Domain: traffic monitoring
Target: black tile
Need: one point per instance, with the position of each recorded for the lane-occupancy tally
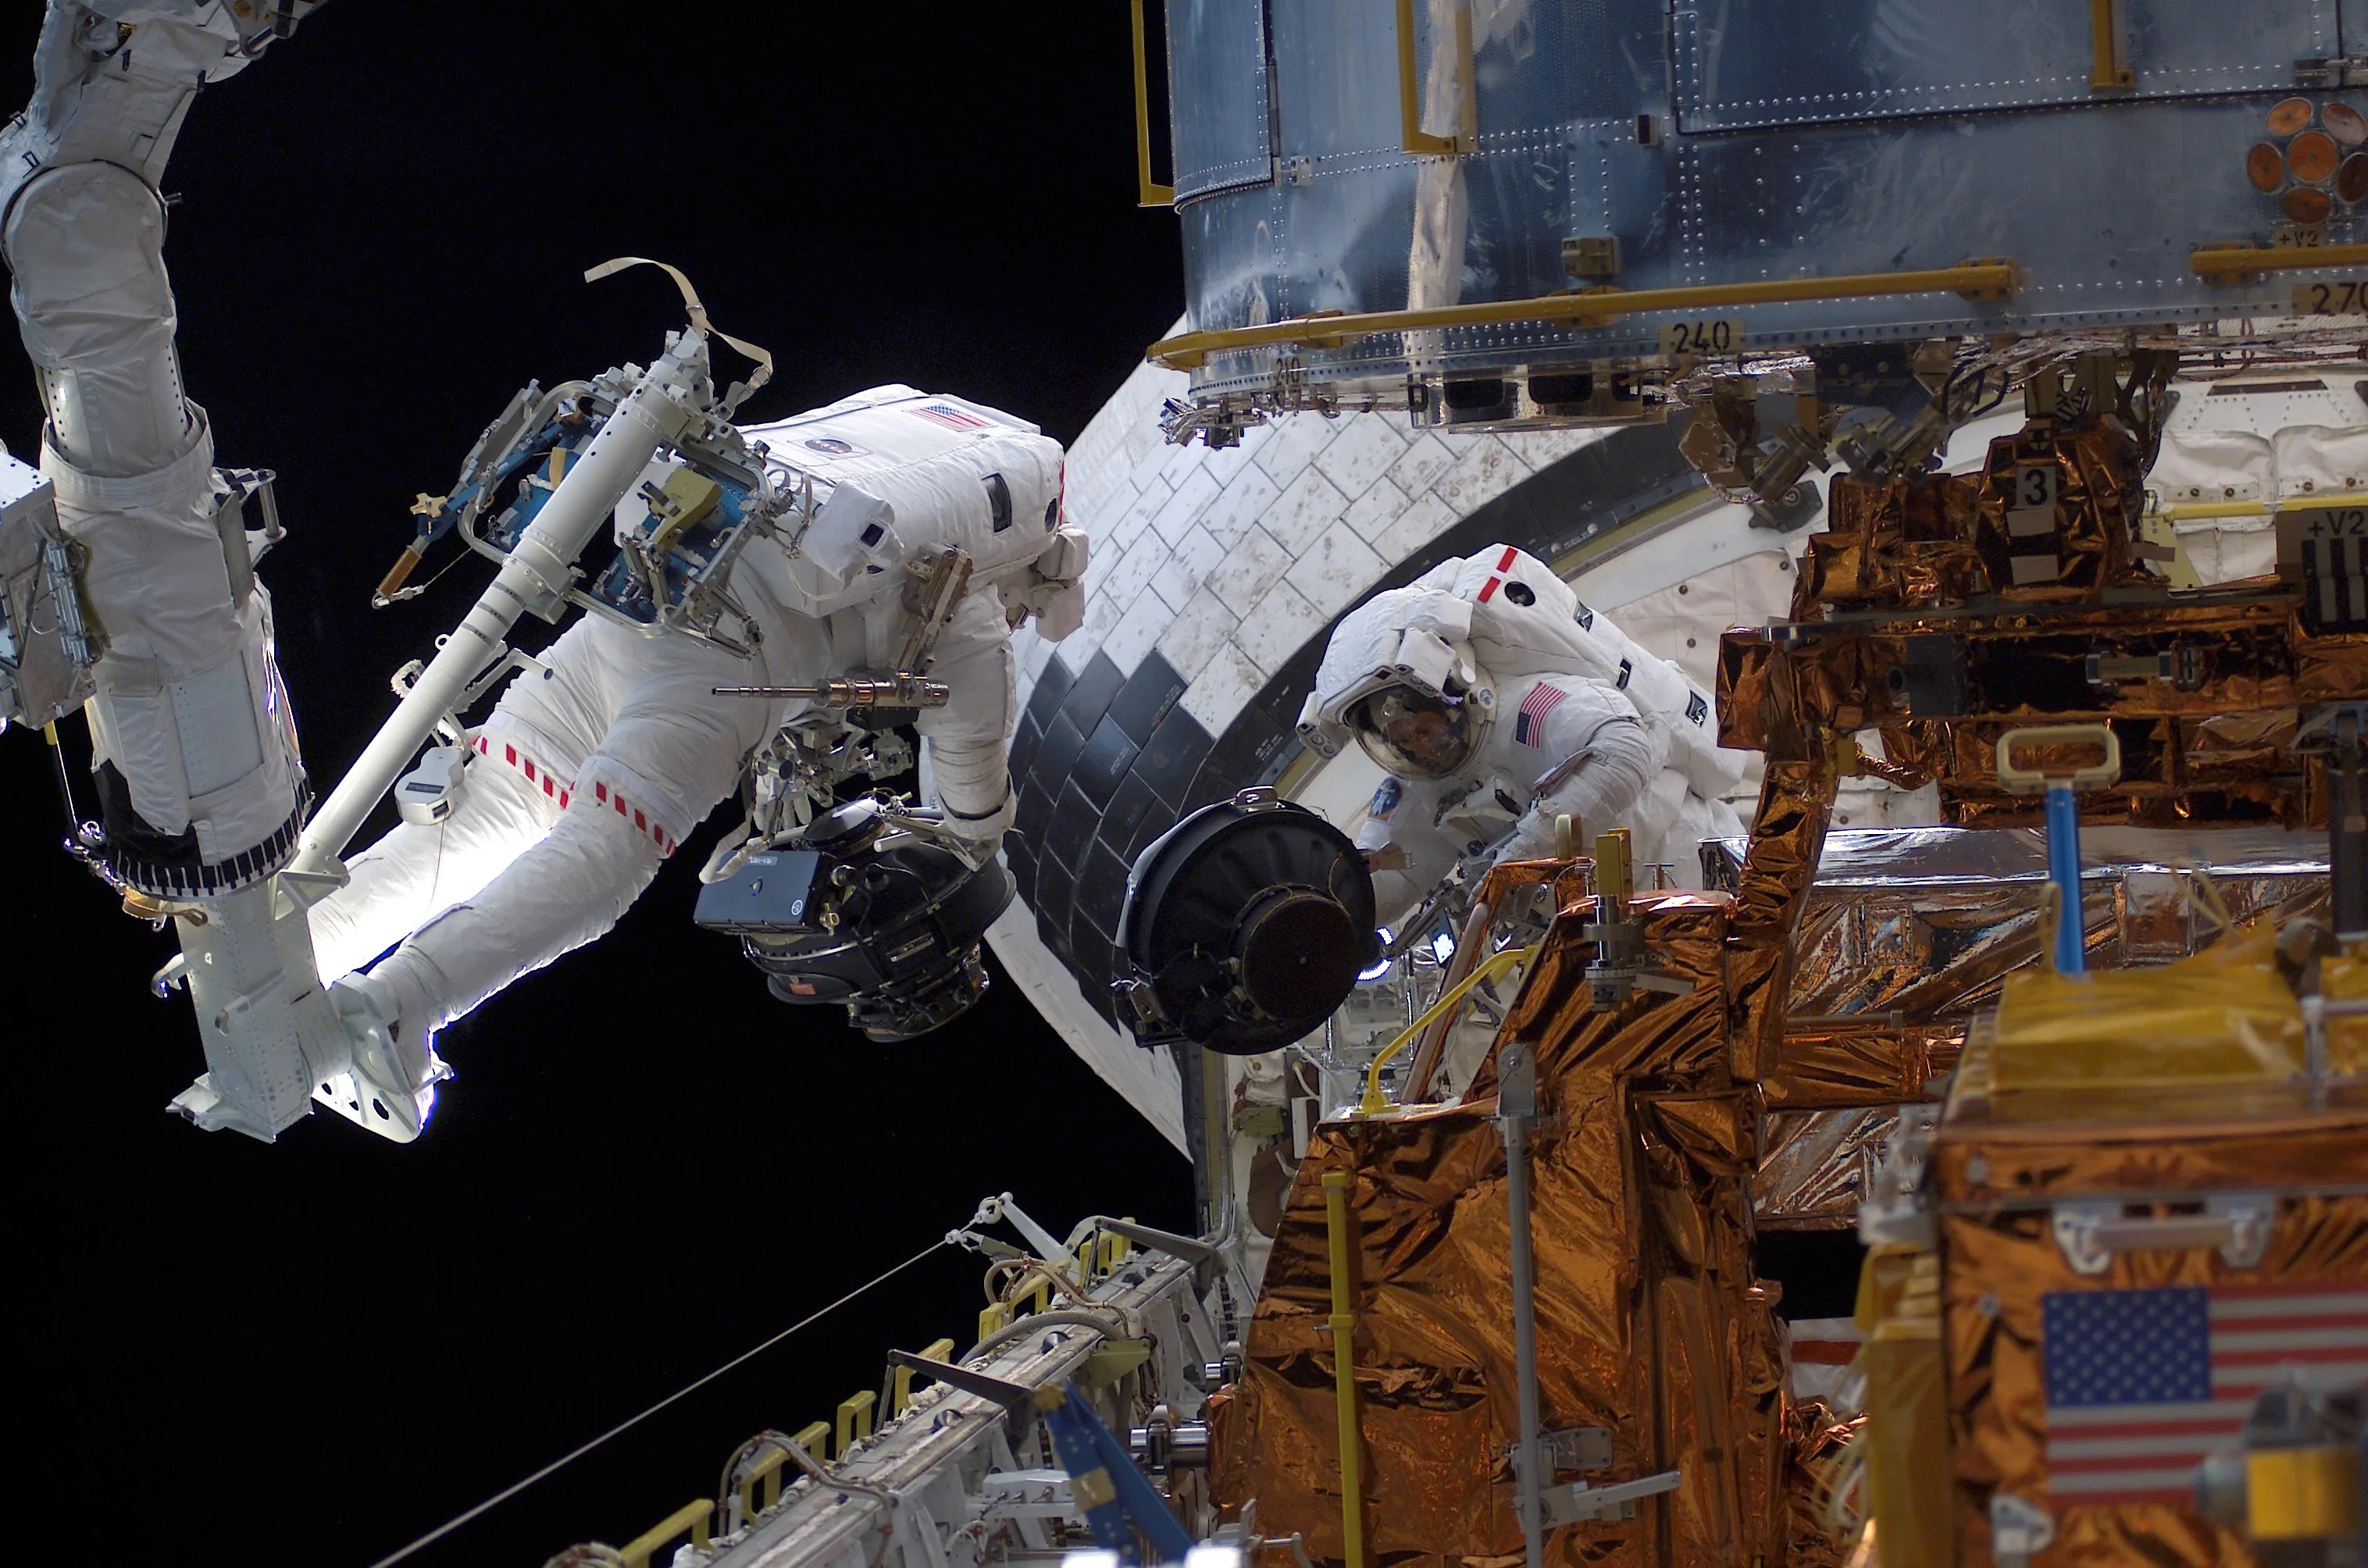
(1214, 782)
(1155, 821)
(1051, 688)
(1035, 811)
(1128, 805)
(1090, 698)
(1174, 754)
(1109, 753)
(1071, 832)
(1094, 962)
(1023, 868)
(1056, 754)
(1101, 890)
(1055, 899)
(1148, 694)
(1054, 938)
(1025, 739)
(1244, 751)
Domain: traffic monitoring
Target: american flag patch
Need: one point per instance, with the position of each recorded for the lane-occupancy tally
(1530, 723)
(2143, 1384)
(953, 419)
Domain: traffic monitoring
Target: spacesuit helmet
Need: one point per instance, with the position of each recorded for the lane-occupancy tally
(1415, 734)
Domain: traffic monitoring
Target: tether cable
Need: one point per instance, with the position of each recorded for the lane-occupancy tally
(505, 1493)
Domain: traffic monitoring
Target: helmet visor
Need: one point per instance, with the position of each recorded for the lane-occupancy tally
(1412, 734)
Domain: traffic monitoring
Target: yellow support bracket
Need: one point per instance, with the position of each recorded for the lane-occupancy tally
(1147, 193)
(1116, 1249)
(2236, 263)
(936, 1350)
(697, 1517)
(814, 1438)
(1114, 1359)
(854, 1421)
(767, 1471)
(1979, 280)
(1344, 1367)
(1375, 1102)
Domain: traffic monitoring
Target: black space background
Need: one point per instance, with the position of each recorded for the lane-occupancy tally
(312, 1352)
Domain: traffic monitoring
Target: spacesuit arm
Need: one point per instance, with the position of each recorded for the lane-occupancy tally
(965, 744)
(1603, 755)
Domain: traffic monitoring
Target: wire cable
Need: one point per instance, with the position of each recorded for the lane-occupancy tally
(504, 1495)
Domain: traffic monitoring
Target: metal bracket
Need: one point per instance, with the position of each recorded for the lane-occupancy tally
(1570, 1447)
(1578, 1501)
(1010, 1395)
(2091, 1232)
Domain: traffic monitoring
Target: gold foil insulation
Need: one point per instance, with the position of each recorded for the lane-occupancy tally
(2003, 1158)
(1649, 1322)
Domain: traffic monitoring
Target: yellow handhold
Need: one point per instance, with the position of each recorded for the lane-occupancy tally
(855, 1420)
(814, 1438)
(1615, 872)
(936, 1350)
(697, 1518)
(992, 1318)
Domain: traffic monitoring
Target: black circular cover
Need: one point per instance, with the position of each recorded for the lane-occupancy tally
(1250, 921)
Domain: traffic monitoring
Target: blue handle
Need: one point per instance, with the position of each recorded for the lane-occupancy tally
(2064, 871)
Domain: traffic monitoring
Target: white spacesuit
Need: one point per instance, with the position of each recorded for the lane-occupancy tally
(1496, 702)
(591, 769)
(595, 764)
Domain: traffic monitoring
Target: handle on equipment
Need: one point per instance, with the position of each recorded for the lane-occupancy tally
(2063, 818)
(400, 573)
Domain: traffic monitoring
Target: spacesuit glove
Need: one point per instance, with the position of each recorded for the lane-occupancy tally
(394, 1060)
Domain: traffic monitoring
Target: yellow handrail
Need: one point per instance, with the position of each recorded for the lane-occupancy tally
(697, 1518)
(1488, 968)
(1412, 138)
(1344, 1369)
(1148, 194)
(2225, 264)
(1595, 307)
(2182, 510)
(2108, 67)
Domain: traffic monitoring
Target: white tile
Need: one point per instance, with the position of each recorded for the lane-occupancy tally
(1278, 626)
(1223, 689)
(1033, 664)
(1361, 452)
(1485, 470)
(1141, 446)
(1078, 648)
(1253, 564)
(1199, 629)
(1138, 628)
(1243, 500)
(1336, 570)
(1171, 586)
(1297, 438)
(1184, 461)
(1417, 525)
(1197, 554)
(1228, 461)
(1304, 509)
(1376, 510)
(1421, 465)
(1190, 499)
(1128, 574)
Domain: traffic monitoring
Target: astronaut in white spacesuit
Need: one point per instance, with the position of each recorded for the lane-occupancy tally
(1496, 702)
(599, 759)
(593, 768)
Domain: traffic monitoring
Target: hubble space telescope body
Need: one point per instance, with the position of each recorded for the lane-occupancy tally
(1955, 410)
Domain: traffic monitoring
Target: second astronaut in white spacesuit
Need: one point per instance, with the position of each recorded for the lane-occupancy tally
(592, 768)
(1496, 701)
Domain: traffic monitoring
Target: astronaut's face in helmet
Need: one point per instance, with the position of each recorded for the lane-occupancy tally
(1412, 734)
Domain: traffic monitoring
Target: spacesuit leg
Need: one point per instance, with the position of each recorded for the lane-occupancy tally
(417, 870)
(965, 744)
(673, 752)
